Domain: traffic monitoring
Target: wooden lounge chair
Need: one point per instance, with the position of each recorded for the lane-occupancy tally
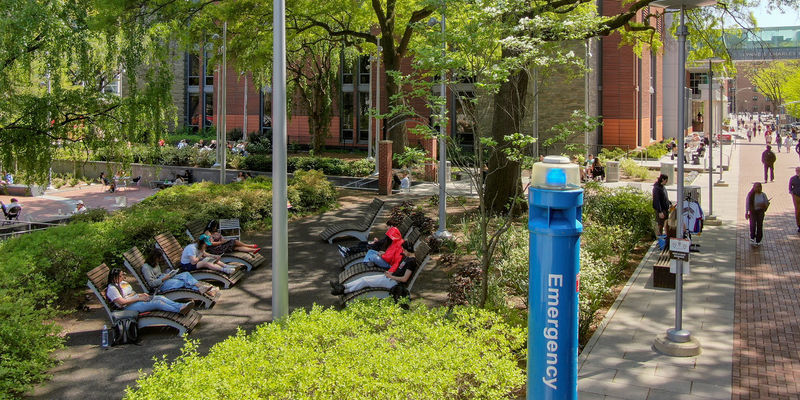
(172, 250)
(134, 261)
(421, 253)
(98, 280)
(423, 259)
(359, 230)
(196, 228)
(412, 235)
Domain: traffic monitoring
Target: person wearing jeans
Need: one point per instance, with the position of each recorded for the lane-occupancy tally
(768, 158)
(794, 190)
(389, 279)
(122, 295)
(757, 205)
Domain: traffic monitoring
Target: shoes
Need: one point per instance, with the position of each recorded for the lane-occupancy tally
(186, 308)
(203, 289)
(752, 242)
(338, 288)
(758, 244)
(798, 228)
(342, 250)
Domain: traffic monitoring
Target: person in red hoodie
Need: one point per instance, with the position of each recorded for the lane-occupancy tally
(390, 258)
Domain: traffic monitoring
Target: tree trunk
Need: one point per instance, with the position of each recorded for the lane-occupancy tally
(502, 181)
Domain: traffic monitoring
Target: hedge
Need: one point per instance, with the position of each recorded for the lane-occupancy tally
(42, 269)
(371, 350)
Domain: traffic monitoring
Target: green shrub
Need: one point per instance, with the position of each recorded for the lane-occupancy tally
(625, 206)
(257, 162)
(410, 157)
(371, 350)
(315, 191)
(178, 157)
(93, 215)
(634, 170)
(27, 337)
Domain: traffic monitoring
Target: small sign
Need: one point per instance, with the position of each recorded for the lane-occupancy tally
(679, 245)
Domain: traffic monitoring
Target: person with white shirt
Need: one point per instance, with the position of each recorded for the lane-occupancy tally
(195, 257)
(80, 208)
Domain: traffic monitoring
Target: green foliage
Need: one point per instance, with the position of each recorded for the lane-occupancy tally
(655, 151)
(27, 337)
(625, 207)
(411, 157)
(257, 162)
(371, 350)
(315, 191)
(634, 170)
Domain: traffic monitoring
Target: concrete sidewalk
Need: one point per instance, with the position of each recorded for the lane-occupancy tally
(619, 362)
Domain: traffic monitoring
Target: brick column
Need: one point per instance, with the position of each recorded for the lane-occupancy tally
(431, 148)
(385, 167)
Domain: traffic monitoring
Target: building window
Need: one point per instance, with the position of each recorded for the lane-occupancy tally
(363, 117)
(463, 114)
(194, 70)
(347, 117)
(696, 79)
(266, 112)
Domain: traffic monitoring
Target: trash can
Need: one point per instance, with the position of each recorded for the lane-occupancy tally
(612, 171)
(668, 169)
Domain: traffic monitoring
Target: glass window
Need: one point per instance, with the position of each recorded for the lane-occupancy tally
(363, 117)
(194, 70)
(347, 117)
(266, 113)
(347, 71)
(209, 71)
(465, 120)
(363, 70)
(209, 110)
(194, 110)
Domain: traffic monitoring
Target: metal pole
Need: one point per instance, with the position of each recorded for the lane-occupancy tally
(244, 112)
(222, 145)
(536, 112)
(586, 97)
(371, 100)
(710, 140)
(678, 334)
(442, 233)
(280, 224)
(377, 106)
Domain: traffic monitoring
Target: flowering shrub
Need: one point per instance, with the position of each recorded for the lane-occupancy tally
(371, 350)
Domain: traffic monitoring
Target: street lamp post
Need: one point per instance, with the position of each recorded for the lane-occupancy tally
(222, 107)
(377, 135)
(678, 341)
(720, 181)
(442, 233)
(280, 222)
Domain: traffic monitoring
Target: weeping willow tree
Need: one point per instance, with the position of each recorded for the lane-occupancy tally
(87, 73)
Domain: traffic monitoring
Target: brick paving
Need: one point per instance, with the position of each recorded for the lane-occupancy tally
(766, 360)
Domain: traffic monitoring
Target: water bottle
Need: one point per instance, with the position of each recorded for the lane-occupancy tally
(104, 334)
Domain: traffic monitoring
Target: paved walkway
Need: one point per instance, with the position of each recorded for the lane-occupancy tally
(767, 329)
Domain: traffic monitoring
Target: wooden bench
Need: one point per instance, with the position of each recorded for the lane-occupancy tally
(134, 261)
(359, 230)
(662, 278)
(172, 251)
(421, 253)
(98, 281)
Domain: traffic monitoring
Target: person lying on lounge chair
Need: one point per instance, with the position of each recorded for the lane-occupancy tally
(122, 295)
(174, 279)
(400, 276)
(195, 257)
(218, 245)
(376, 244)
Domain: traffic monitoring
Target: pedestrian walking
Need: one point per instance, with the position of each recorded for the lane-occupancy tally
(660, 202)
(794, 190)
(797, 148)
(749, 135)
(788, 143)
(757, 205)
(768, 158)
(778, 141)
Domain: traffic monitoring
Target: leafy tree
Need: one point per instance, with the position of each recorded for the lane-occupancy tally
(772, 80)
(58, 62)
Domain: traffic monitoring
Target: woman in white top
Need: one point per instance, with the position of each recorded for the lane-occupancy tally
(195, 257)
(122, 295)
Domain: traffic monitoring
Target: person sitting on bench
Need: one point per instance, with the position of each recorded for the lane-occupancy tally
(400, 276)
(122, 295)
(216, 244)
(598, 171)
(195, 257)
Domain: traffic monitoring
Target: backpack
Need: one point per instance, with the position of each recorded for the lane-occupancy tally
(771, 158)
(124, 331)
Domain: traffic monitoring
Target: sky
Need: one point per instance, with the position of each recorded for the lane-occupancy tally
(789, 17)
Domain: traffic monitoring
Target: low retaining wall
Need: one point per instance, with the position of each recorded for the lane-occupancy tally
(92, 169)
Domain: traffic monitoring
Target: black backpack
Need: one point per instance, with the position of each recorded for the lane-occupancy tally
(124, 331)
